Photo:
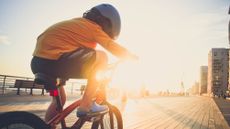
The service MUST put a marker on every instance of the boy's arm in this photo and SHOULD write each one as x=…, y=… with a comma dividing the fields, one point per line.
x=117, y=50
x=109, y=44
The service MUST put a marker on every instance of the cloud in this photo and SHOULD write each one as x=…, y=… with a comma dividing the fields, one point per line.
x=4, y=40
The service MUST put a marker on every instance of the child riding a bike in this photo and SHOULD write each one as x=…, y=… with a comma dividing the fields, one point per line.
x=67, y=50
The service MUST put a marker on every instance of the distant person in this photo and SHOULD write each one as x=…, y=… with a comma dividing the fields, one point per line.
x=67, y=50
x=82, y=89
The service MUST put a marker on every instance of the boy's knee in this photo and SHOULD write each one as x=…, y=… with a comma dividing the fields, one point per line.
x=99, y=64
x=101, y=61
x=101, y=57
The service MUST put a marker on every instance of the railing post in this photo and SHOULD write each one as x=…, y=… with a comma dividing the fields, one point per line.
x=3, y=86
x=43, y=91
x=72, y=88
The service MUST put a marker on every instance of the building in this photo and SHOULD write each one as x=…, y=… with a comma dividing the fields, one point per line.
x=182, y=90
x=218, y=65
x=195, y=88
x=203, y=80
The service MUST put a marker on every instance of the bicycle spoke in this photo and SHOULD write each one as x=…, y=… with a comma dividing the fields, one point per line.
x=102, y=124
x=111, y=120
x=106, y=121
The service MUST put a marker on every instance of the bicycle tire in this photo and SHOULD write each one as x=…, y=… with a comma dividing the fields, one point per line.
x=21, y=120
x=108, y=121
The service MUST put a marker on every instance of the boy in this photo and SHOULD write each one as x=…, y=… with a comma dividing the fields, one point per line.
x=67, y=50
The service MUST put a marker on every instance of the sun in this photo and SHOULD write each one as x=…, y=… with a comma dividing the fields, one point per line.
x=127, y=76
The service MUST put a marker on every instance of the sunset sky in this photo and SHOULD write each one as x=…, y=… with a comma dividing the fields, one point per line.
x=171, y=37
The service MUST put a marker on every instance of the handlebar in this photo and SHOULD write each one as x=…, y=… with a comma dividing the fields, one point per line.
x=111, y=69
x=108, y=72
x=132, y=57
x=114, y=65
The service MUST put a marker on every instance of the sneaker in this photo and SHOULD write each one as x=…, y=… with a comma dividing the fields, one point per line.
x=96, y=109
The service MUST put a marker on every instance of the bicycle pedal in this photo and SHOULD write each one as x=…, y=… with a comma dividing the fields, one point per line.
x=97, y=113
x=96, y=118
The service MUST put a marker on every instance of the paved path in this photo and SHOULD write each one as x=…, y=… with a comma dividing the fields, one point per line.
x=148, y=113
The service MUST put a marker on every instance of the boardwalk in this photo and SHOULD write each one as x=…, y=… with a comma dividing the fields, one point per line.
x=150, y=113
x=174, y=113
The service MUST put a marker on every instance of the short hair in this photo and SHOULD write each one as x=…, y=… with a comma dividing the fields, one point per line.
x=95, y=16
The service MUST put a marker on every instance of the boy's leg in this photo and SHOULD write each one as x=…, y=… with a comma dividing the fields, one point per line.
x=52, y=111
x=99, y=64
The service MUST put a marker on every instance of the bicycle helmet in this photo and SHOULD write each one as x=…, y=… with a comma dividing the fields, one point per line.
x=107, y=17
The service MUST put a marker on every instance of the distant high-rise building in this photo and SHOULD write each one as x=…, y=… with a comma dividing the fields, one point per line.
x=203, y=80
x=182, y=90
x=195, y=88
x=218, y=65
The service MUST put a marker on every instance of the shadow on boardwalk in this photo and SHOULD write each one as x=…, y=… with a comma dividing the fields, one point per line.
x=224, y=107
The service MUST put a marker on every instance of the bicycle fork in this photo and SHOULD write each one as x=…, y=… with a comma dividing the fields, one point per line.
x=96, y=121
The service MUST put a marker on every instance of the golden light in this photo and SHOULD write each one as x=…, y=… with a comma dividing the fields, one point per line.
x=127, y=76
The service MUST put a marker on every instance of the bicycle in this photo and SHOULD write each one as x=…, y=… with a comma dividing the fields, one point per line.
x=111, y=119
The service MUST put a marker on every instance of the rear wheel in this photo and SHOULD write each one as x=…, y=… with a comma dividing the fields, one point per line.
x=111, y=120
x=21, y=120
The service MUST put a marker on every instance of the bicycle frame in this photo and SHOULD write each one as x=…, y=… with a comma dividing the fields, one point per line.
x=23, y=118
x=63, y=113
x=60, y=117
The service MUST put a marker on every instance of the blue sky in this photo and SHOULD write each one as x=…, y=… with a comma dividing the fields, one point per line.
x=172, y=38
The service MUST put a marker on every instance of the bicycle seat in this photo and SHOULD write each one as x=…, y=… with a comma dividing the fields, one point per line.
x=46, y=80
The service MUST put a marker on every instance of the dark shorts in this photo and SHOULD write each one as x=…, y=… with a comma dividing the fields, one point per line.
x=69, y=65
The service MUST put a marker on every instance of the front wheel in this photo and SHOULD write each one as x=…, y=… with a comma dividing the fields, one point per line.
x=21, y=120
x=111, y=120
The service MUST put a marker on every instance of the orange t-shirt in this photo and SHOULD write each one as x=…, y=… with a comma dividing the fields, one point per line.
x=71, y=34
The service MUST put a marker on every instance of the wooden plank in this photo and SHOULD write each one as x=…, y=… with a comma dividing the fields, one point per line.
x=186, y=120
x=190, y=124
x=174, y=119
x=211, y=121
x=185, y=117
x=166, y=114
x=204, y=123
x=198, y=121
